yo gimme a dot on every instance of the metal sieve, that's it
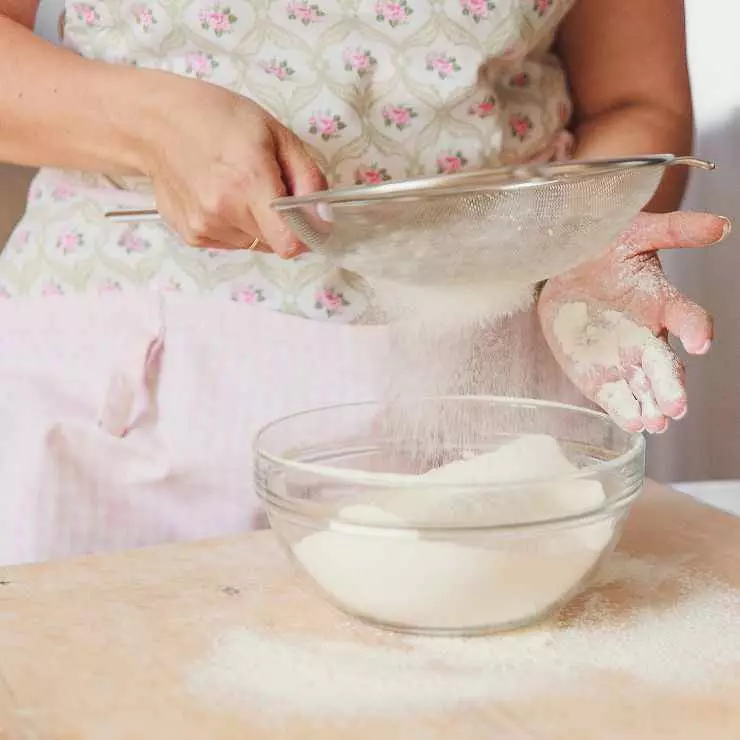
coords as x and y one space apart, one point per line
517 224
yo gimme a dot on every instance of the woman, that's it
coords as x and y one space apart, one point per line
129 415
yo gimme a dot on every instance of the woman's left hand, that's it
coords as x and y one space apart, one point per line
607 321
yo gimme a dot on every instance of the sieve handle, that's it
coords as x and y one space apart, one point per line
151 214
127 217
701 164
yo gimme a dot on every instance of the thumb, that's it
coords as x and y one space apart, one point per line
689 322
678 230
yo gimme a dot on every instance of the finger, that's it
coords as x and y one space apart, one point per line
617 399
665 373
679 230
301 174
690 323
230 247
205 231
652 417
229 237
267 178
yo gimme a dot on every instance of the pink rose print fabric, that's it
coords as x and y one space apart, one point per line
379 90
326 125
443 64
218 19
393 13
477 10
70 242
249 294
144 16
86 13
306 13
399 116
450 162
200 65
359 60
330 301
373 174
278 68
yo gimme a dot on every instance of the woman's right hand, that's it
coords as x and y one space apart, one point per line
217 160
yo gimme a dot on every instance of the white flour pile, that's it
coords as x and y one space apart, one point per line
456 581
656 623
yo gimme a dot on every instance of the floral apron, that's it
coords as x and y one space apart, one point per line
140 368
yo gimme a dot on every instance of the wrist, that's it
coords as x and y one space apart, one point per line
161 99
141 115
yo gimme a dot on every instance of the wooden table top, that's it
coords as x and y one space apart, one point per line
106 647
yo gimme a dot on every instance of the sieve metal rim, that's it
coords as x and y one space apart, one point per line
498 179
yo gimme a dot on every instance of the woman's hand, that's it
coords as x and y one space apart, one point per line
217 160
607 321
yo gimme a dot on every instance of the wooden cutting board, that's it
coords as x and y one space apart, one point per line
101 648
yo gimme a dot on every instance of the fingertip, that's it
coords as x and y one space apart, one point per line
676 230
278 234
691 324
726 230
704 229
656 425
307 180
696 342
692 228
296 250
617 399
663 428
652 417
694 348
633 427
300 169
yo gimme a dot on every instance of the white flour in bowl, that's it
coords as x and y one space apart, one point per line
456 580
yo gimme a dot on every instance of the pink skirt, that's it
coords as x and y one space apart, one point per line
127 420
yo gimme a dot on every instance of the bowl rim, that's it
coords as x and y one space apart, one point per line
636 449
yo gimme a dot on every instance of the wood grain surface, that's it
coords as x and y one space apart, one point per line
99 648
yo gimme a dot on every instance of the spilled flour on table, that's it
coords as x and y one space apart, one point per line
657 623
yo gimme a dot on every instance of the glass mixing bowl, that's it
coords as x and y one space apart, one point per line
345 493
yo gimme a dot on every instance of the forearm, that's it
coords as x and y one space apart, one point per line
626 64
60 110
635 130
